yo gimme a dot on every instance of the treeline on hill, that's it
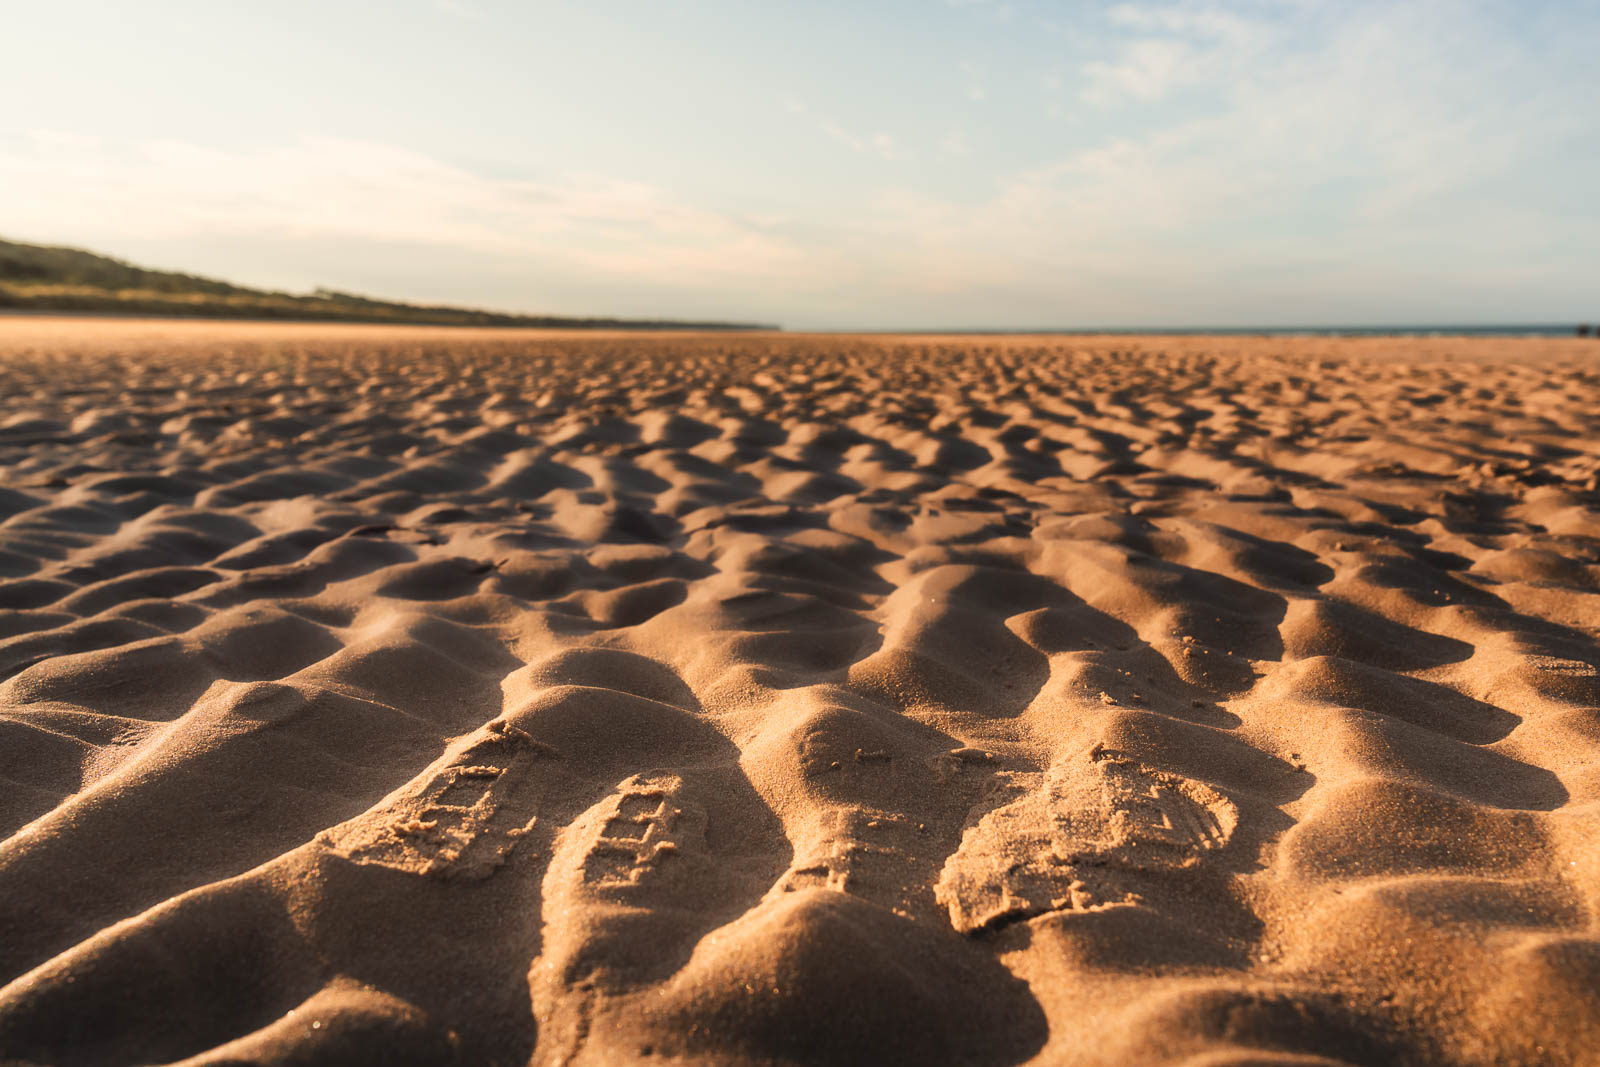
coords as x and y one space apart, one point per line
45 278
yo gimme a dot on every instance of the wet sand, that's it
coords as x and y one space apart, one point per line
409 695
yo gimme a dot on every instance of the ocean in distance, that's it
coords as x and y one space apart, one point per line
1562 330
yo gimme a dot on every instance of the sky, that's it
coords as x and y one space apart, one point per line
942 164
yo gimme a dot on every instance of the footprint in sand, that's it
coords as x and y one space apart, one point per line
638 833
461 821
629 872
1083 836
869 810
875 855
656 944
633 885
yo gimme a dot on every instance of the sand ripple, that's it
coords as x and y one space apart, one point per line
392 696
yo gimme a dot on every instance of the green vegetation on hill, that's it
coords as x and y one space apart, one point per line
45 278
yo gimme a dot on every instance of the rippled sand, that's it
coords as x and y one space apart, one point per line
423 696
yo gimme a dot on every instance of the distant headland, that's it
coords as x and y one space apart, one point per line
46 278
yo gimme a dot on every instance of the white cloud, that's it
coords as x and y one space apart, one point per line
1146 70
1177 46
330 188
1202 22
1350 162
879 144
1359 172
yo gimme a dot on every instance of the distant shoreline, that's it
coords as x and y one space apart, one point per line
52 279
1564 330
594 325
627 326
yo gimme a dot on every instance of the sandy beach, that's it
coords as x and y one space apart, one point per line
421 696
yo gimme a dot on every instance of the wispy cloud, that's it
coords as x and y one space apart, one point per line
1171 47
1222 164
883 145
1335 170
331 188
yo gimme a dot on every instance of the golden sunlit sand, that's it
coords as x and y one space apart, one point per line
410 695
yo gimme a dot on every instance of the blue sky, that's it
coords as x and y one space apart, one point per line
939 164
